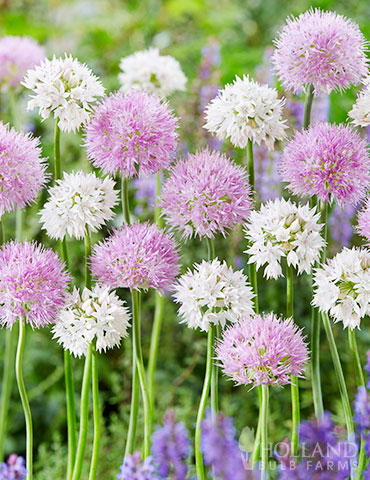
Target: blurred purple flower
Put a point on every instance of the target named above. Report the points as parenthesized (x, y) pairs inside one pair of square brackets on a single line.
[(13, 469), (134, 468), (267, 179), (341, 230)]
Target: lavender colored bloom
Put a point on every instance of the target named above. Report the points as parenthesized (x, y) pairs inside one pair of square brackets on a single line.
[(13, 469), (138, 256), (33, 284), (132, 134), (267, 180), (363, 221), (330, 161), (134, 468), (321, 49), (367, 368), (170, 449), (340, 221)]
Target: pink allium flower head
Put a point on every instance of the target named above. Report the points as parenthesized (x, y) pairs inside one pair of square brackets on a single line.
[(206, 193), (138, 256), (363, 221), (22, 170), (131, 134), (33, 284), (17, 55), (330, 161), (262, 350), (321, 49)]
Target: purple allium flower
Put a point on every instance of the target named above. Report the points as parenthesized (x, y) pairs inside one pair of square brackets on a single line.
[(220, 448), (262, 350), (33, 284), (322, 49), (134, 468), (206, 193), (17, 55), (170, 449), (363, 221), (341, 230), (132, 134), (22, 169), (330, 161), (138, 256), (13, 469)]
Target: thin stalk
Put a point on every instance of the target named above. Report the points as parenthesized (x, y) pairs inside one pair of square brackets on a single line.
[(257, 440), (96, 412), (264, 431), (87, 255), (57, 156), (125, 200), (131, 434), (308, 107)]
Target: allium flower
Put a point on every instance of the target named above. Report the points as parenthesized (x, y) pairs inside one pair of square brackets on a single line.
[(342, 287), (95, 314), (171, 448), (363, 221), (22, 169), (246, 110), (206, 193), (78, 202), (33, 284), (213, 294), (138, 256), (17, 55), (330, 161), (220, 448), (262, 350), (280, 229), (134, 468), (321, 49), (132, 134), (64, 87), (13, 469), (148, 70)]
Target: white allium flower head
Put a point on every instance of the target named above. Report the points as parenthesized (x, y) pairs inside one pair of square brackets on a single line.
[(342, 287), (246, 110), (78, 201), (213, 294), (148, 70), (93, 315), (360, 112), (280, 229), (64, 87)]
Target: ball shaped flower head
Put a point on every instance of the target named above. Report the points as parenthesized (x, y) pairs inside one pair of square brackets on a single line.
[(22, 169), (148, 70), (64, 87), (321, 49), (212, 295), (132, 134), (17, 55), (138, 256), (246, 110), (262, 350), (281, 229), (330, 161), (78, 202), (342, 287), (33, 284), (206, 193), (95, 314)]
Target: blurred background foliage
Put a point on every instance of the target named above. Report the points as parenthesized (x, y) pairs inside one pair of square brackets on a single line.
[(100, 32)]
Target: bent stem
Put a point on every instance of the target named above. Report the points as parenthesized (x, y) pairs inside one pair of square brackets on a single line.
[(264, 431), (96, 411)]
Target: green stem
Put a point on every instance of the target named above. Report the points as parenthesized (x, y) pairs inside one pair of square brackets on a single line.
[(24, 398), (57, 157), (308, 107), (131, 434), (71, 412), (157, 210), (257, 440), (19, 221), (87, 255), (96, 407), (324, 221), (125, 200), (211, 249), (264, 431)]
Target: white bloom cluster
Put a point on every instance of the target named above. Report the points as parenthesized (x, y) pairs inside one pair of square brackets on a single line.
[(342, 287), (79, 201), (65, 87), (246, 110), (360, 113), (282, 228), (213, 294), (148, 70), (95, 314)]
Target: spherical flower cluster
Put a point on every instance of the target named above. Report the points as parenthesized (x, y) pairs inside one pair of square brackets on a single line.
[(33, 284), (138, 256), (134, 468), (330, 161), (13, 469), (280, 229), (360, 112), (148, 70), (342, 287), (206, 193), (95, 314), (321, 49), (213, 294), (22, 169), (262, 350), (246, 110), (17, 55), (132, 134), (66, 88), (363, 221), (79, 202)]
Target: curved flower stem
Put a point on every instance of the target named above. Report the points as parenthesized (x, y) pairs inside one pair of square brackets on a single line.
[(308, 107), (255, 455), (125, 200), (24, 398), (264, 431), (96, 444)]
